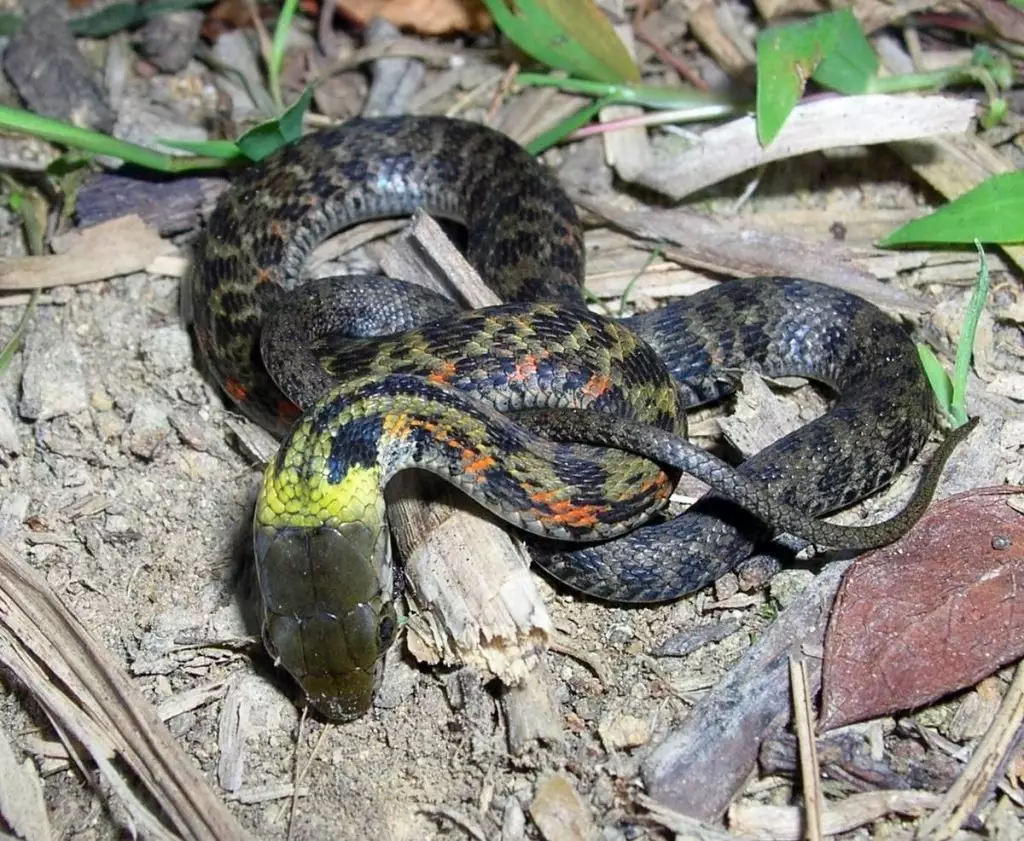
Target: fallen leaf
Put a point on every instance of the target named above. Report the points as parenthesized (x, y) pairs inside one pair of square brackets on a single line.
[(428, 17), (1007, 21), (110, 249), (931, 614)]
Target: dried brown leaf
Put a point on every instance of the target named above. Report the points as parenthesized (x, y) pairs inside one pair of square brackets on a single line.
[(428, 17), (931, 614)]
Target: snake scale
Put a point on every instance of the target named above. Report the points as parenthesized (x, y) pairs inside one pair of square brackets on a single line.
[(365, 378)]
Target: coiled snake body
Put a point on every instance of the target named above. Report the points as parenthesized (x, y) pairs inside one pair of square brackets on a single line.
[(437, 395)]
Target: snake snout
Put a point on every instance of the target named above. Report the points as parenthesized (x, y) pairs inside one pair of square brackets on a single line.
[(328, 618)]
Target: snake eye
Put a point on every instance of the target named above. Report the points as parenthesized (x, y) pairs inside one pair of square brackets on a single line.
[(386, 631)]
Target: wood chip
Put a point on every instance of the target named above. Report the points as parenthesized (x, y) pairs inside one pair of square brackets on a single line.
[(94, 702), (984, 768), (560, 813), (786, 823), (735, 248), (733, 148), (627, 150), (734, 56), (111, 249)]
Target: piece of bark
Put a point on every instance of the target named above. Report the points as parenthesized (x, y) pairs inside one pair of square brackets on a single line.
[(689, 640), (986, 766), (826, 123), (702, 764), (170, 205), (395, 80), (734, 58), (731, 247), (786, 823)]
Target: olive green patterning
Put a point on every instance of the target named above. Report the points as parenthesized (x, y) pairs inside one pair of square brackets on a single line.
[(365, 378)]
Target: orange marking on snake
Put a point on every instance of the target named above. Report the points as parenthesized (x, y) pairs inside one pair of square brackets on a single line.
[(524, 370), (397, 426), (263, 276), (543, 497), (659, 487), (444, 374), (597, 385), (476, 463), (566, 513)]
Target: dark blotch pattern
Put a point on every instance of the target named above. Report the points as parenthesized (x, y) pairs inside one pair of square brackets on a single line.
[(525, 240)]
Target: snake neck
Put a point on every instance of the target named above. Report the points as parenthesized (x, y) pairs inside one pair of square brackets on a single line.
[(338, 459)]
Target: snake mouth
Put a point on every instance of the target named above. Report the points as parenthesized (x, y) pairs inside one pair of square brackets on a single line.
[(328, 617)]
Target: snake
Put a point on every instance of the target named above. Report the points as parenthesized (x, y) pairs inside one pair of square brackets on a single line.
[(563, 422)]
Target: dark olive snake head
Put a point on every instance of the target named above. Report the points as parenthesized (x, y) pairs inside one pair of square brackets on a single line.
[(326, 583)]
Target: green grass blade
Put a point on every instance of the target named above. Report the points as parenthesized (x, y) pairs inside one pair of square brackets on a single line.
[(122, 16), (676, 97), (938, 379), (277, 48), (570, 35), (992, 212), (965, 348), (225, 150), (566, 127), (55, 131)]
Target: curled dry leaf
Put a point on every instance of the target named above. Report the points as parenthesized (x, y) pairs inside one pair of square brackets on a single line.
[(931, 614), (427, 17)]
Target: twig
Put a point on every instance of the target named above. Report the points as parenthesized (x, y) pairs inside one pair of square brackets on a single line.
[(810, 774), (984, 768)]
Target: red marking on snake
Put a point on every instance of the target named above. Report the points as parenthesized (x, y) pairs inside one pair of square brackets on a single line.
[(287, 411), (236, 390)]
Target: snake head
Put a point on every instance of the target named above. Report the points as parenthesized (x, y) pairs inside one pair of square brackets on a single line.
[(328, 615)]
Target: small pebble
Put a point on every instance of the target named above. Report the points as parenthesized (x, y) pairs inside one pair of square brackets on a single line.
[(101, 401), (53, 382), (559, 811), (787, 586), (623, 731), (166, 349), (147, 430)]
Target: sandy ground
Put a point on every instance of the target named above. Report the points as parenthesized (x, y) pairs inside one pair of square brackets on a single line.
[(132, 497)]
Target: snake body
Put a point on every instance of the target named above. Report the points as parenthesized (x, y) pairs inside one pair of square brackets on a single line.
[(437, 392)]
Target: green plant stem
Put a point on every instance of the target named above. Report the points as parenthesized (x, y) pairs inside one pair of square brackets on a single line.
[(561, 131), (648, 96), (55, 131)]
